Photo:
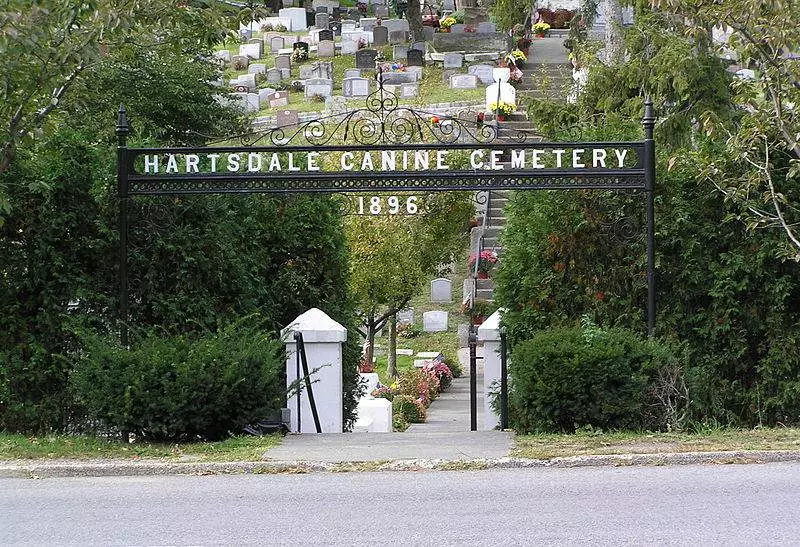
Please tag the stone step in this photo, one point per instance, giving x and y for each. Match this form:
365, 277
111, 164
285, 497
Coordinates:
484, 284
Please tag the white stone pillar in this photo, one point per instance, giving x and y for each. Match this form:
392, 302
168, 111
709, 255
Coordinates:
489, 334
322, 338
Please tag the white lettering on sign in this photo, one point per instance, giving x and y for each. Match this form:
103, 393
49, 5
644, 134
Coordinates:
387, 161
394, 205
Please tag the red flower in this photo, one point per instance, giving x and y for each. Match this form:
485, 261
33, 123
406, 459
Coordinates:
600, 296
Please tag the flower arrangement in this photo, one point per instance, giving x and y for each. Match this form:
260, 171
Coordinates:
362, 43
487, 258
470, 29
447, 22
280, 28
383, 392
518, 55
365, 367
299, 55
441, 371
515, 76
393, 67
503, 109
523, 44
540, 28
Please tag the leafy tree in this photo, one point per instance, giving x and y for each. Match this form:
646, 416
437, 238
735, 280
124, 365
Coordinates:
391, 256
765, 141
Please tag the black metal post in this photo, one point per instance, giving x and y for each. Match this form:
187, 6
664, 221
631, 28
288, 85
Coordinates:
649, 122
297, 377
301, 350
123, 129
503, 380
473, 382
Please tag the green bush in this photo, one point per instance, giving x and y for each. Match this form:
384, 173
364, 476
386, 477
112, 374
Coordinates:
568, 378
410, 409
453, 363
181, 387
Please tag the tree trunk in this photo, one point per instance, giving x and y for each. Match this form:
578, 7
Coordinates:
414, 16
369, 350
391, 369
612, 12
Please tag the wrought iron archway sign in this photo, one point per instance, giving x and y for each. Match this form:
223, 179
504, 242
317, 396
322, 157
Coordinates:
387, 148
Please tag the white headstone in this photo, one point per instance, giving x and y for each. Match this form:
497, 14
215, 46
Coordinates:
441, 290
296, 17
349, 47
253, 51
506, 92
463, 81
318, 87
434, 321
405, 316
257, 68
355, 87
485, 73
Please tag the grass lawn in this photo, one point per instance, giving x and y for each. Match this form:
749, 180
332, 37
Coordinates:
582, 443
21, 447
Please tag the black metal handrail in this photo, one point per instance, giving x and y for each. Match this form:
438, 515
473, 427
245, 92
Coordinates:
503, 380
302, 359
478, 251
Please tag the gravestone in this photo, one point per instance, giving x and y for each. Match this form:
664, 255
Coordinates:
286, 73
352, 73
348, 47
405, 316
240, 62
483, 72
398, 37
283, 61
365, 58
448, 5
320, 9
506, 92
274, 75
427, 33
335, 27
257, 68
318, 87
321, 20
396, 24
353, 14
301, 45
380, 11
276, 43
434, 321
399, 51
297, 18
286, 118
441, 290
458, 28
355, 87
419, 46
278, 99
336, 105
417, 71
348, 26
245, 80
326, 48
223, 56
290, 40
415, 58
380, 36
367, 23
326, 35
394, 78
453, 60
463, 81
409, 90
264, 94
487, 27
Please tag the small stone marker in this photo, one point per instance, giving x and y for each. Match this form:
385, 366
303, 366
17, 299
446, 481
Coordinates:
434, 321
283, 61
417, 71
396, 24
326, 49
399, 51
257, 68
415, 58
427, 33
279, 98
365, 58
352, 73
380, 36
276, 44
240, 62
321, 20
441, 290
453, 60
336, 28
264, 94
483, 72
410, 90
487, 27
367, 23
420, 46
326, 34
406, 352
405, 315
380, 11
458, 28
355, 87
286, 118
253, 51
463, 81
274, 75
398, 37
223, 56
318, 87
393, 78
437, 355
348, 47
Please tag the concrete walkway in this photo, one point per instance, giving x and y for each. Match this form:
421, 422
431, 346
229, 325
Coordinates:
445, 435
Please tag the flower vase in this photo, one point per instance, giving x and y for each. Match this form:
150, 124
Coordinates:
540, 34
478, 319
483, 275
501, 117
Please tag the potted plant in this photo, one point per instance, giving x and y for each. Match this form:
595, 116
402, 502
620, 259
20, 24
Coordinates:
446, 23
502, 109
518, 57
481, 309
540, 29
486, 262
524, 44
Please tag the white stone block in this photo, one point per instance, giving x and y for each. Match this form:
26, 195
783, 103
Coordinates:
374, 415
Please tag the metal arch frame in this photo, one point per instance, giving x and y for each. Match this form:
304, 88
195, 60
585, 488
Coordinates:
383, 125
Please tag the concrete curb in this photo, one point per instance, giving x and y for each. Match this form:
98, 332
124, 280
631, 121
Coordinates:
54, 468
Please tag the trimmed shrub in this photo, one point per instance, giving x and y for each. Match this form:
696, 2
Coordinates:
181, 388
568, 378
412, 410
418, 384
452, 362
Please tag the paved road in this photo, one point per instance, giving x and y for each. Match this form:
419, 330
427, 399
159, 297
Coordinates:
737, 504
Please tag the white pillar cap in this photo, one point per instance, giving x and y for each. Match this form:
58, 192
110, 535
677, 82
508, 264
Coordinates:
489, 331
316, 326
